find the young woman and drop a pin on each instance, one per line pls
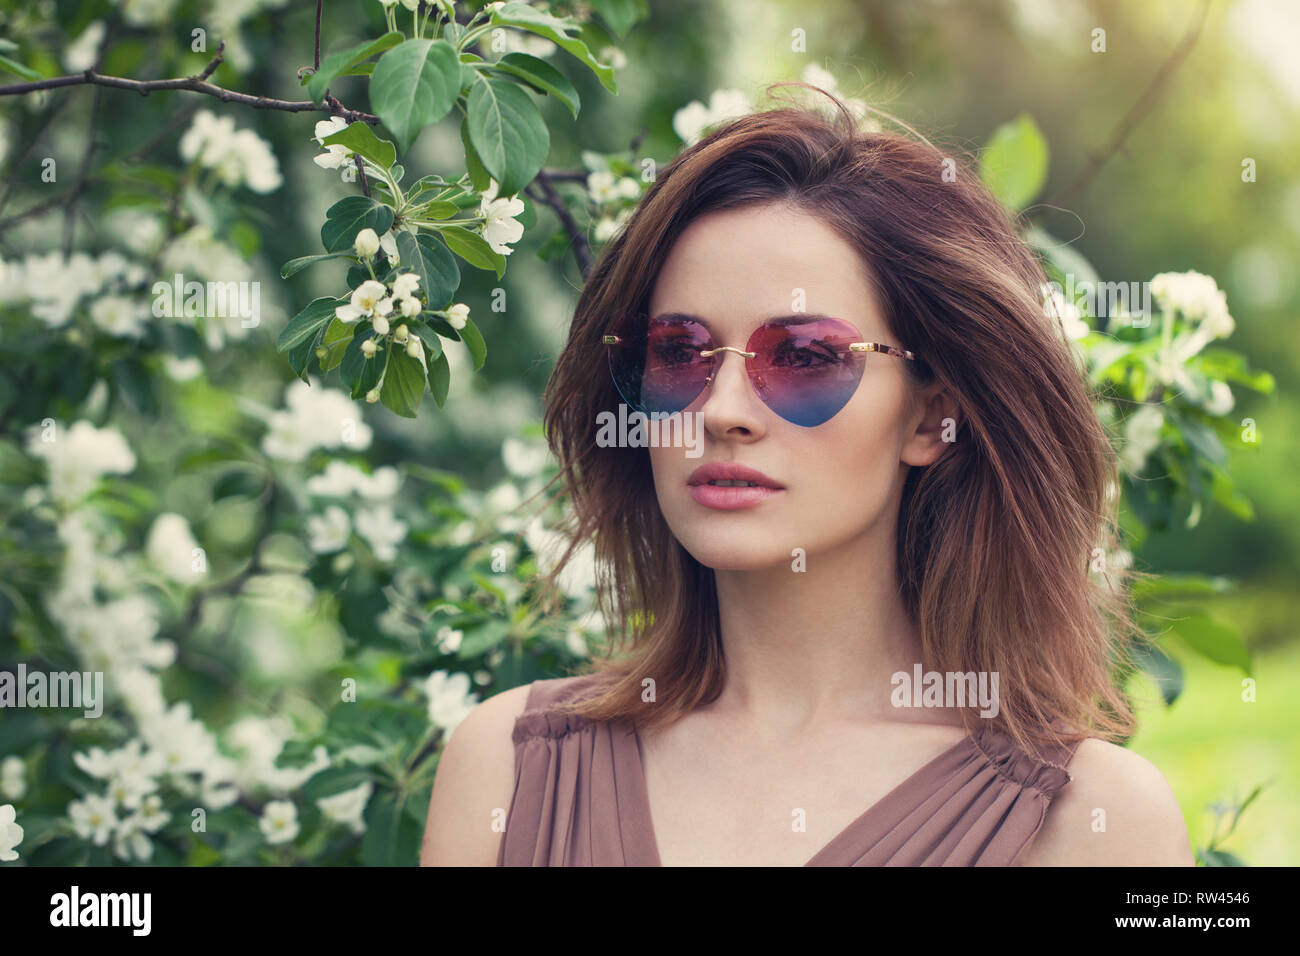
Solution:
(863, 628)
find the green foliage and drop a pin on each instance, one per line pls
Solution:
(413, 86)
(1014, 163)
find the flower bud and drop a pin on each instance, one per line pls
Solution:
(457, 315)
(367, 243)
(381, 324)
(368, 348)
(400, 335)
(414, 348)
(372, 396)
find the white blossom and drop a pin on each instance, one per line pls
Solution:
(500, 229)
(367, 243)
(365, 301)
(405, 285)
(692, 120)
(381, 530)
(279, 821)
(450, 699)
(336, 155)
(1142, 437)
(448, 639)
(78, 457)
(329, 532)
(240, 157)
(11, 834)
(524, 459)
(1221, 399)
(13, 778)
(458, 315)
(81, 53)
(171, 548)
(1198, 297)
(315, 417)
(348, 806)
(93, 818)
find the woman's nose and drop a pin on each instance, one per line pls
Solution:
(730, 406)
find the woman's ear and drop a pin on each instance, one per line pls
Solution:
(932, 426)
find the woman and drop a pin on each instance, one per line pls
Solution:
(863, 625)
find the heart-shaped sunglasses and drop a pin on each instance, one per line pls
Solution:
(804, 367)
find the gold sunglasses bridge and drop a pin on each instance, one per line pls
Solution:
(726, 348)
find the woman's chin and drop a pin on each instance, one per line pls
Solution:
(734, 555)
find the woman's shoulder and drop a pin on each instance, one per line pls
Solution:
(541, 711)
(1118, 810)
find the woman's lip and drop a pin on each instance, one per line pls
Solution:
(730, 471)
(731, 497)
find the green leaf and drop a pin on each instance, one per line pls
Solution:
(349, 216)
(473, 338)
(338, 334)
(508, 133)
(403, 383)
(441, 326)
(300, 355)
(440, 209)
(294, 266)
(360, 138)
(306, 323)
(1173, 585)
(474, 249)
(542, 77)
(1221, 858)
(1217, 642)
(439, 378)
(413, 86)
(338, 63)
(1227, 365)
(519, 14)
(432, 344)
(359, 373)
(478, 174)
(1066, 259)
(621, 15)
(430, 260)
(1014, 164)
(392, 838)
(1162, 669)
(13, 66)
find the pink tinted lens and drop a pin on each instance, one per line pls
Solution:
(803, 370)
(657, 366)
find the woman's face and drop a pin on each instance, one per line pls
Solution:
(839, 481)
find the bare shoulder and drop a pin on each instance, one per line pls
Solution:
(1117, 810)
(475, 779)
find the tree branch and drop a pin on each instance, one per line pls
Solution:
(195, 84)
(546, 194)
(1135, 115)
(319, 4)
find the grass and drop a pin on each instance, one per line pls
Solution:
(1215, 748)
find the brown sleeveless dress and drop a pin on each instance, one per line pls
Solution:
(580, 798)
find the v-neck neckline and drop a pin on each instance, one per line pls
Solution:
(969, 740)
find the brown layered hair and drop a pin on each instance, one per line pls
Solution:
(995, 538)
